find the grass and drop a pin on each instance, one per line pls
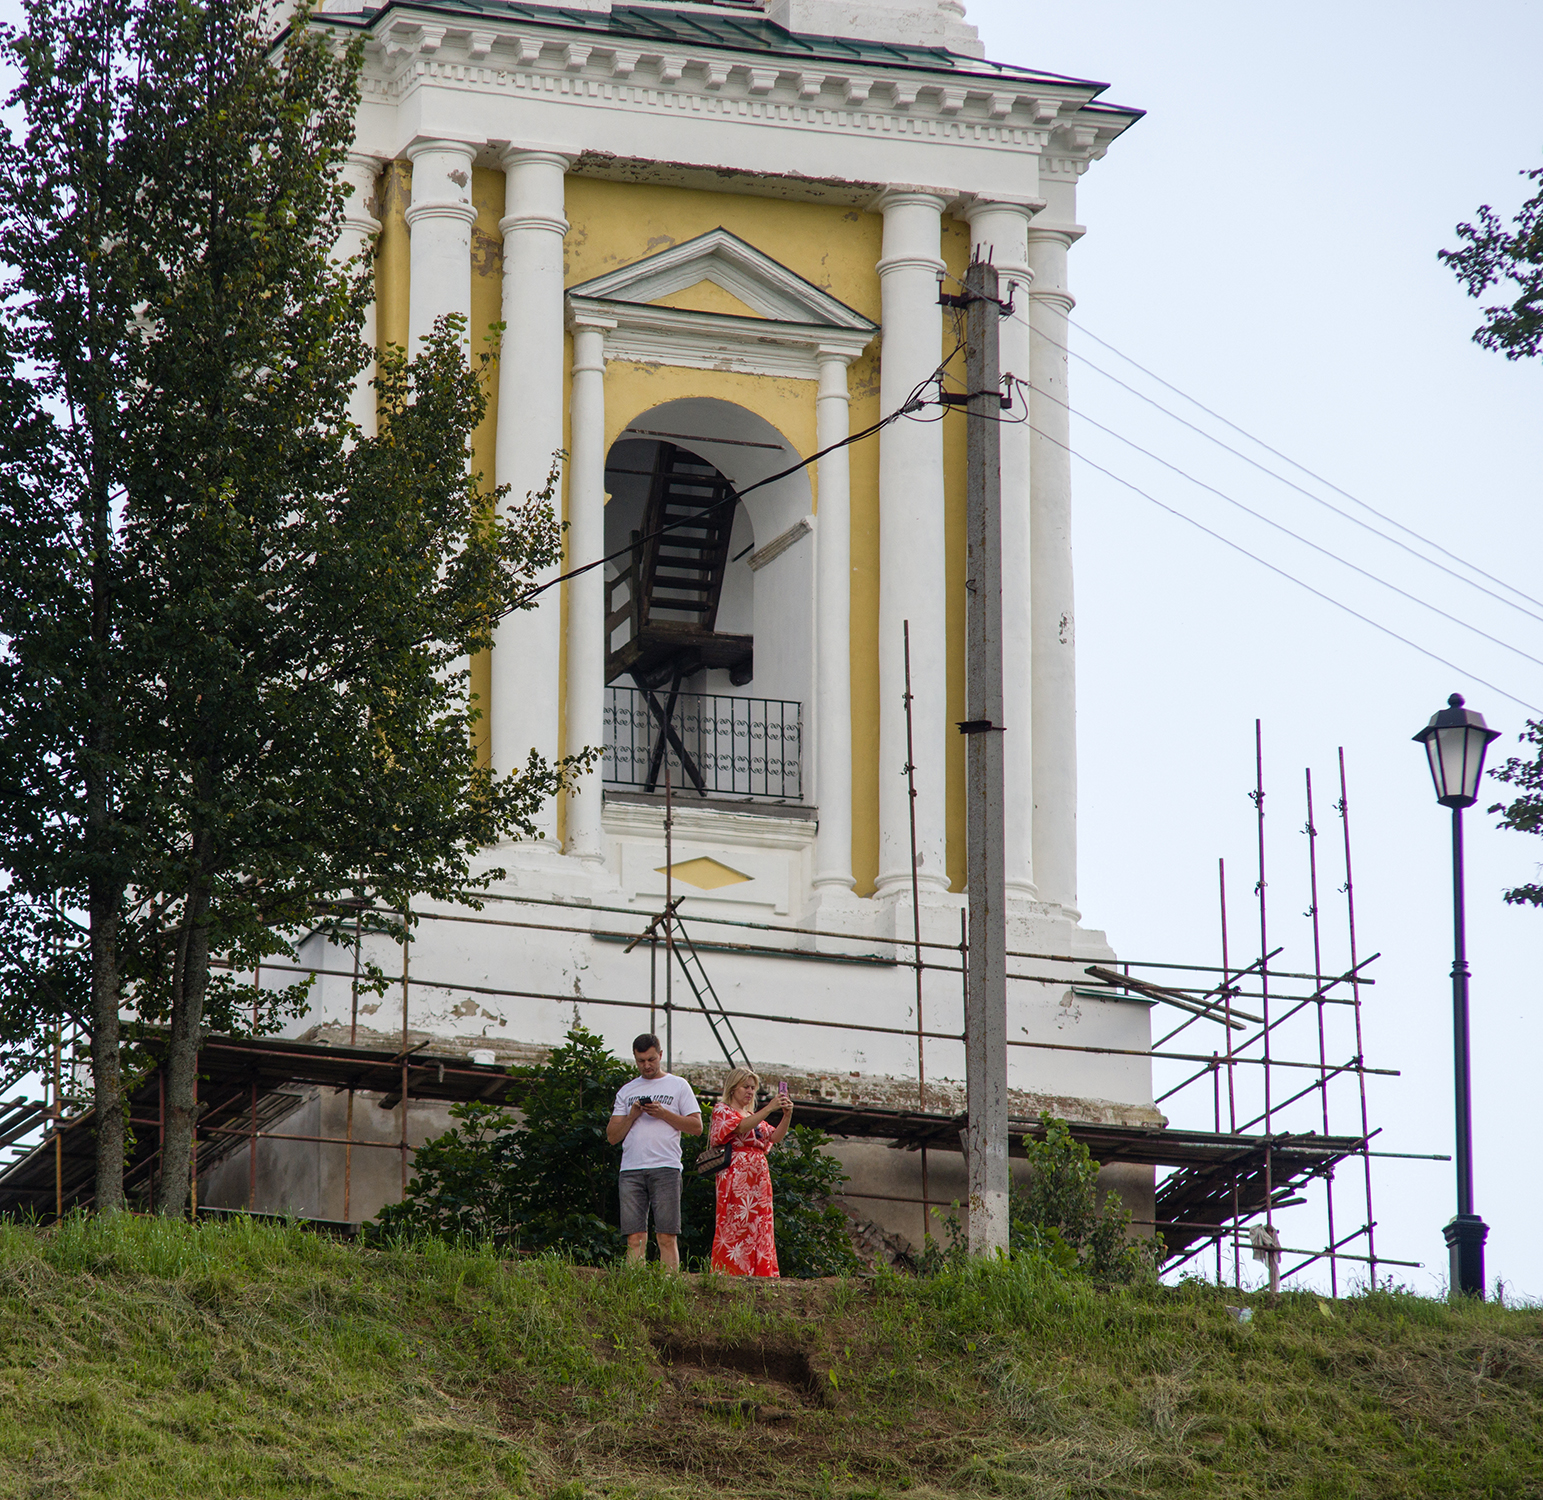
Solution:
(149, 1359)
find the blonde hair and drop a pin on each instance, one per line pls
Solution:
(732, 1080)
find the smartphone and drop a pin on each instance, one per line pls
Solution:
(782, 1087)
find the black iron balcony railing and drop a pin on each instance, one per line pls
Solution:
(718, 745)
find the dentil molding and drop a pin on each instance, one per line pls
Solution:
(587, 67)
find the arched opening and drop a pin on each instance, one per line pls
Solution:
(709, 612)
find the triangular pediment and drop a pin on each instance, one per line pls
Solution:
(708, 297)
(765, 287)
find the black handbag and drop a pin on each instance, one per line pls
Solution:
(713, 1159)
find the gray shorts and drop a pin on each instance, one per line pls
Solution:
(656, 1188)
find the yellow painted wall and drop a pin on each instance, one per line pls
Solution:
(707, 296)
(788, 404)
(393, 192)
(487, 297)
(616, 223)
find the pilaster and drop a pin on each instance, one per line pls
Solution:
(584, 726)
(833, 629)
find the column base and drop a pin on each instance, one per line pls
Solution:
(898, 887)
(1465, 1237)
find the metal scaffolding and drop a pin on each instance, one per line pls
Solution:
(1272, 1087)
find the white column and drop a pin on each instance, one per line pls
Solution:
(439, 221)
(833, 630)
(585, 724)
(1001, 229)
(360, 226)
(1055, 651)
(527, 644)
(911, 543)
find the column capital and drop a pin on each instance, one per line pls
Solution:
(513, 153)
(1048, 245)
(589, 345)
(422, 145)
(1042, 232)
(970, 207)
(833, 354)
(439, 208)
(533, 196)
(359, 172)
(913, 226)
(449, 197)
(901, 196)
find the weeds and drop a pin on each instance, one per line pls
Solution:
(143, 1357)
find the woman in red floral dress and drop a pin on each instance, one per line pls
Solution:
(744, 1244)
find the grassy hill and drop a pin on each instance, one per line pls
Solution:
(149, 1359)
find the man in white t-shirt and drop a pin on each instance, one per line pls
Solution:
(648, 1119)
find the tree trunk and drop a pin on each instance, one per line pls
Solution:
(104, 891)
(106, 1067)
(181, 1064)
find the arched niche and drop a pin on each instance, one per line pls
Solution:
(773, 601)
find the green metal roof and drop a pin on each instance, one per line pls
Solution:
(730, 27)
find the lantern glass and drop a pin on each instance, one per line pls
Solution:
(1455, 742)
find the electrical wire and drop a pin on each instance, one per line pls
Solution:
(912, 404)
(1286, 458)
(1247, 510)
(1290, 577)
(1289, 483)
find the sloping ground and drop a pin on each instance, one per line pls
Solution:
(160, 1360)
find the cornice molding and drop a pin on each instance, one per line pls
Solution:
(584, 66)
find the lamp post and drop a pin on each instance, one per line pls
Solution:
(1455, 741)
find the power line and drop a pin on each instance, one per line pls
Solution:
(912, 404)
(1290, 577)
(1286, 458)
(1287, 531)
(1289, 483)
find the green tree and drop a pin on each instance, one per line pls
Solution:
(545, 1180)
(66, 386)
(1058, 1213)
(231, 688)
(1524, 813)
(1494, 254)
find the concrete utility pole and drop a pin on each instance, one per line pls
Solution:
(986, 996)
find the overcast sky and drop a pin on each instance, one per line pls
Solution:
(1265, 240)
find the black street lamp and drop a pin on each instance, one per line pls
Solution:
(1455, 741)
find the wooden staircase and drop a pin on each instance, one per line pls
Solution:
(674, 581)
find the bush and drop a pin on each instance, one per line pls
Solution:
(1058, 1216)
(547, 1180)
